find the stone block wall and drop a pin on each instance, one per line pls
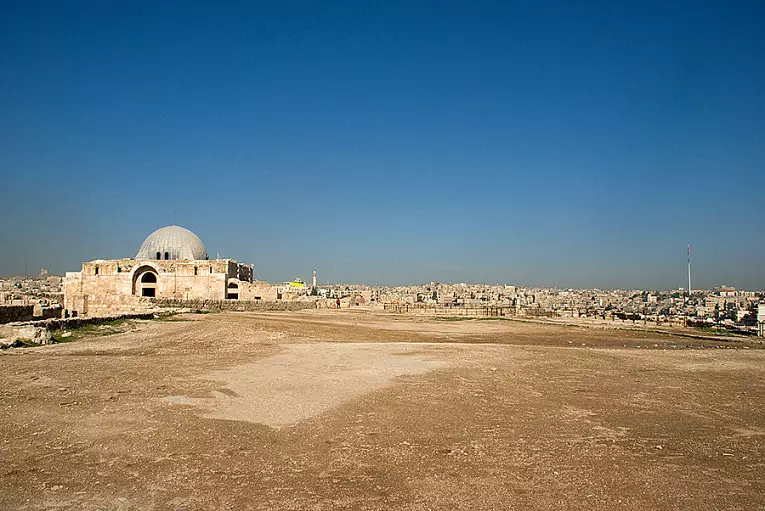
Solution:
(11, 313)
(108, 287)
(258, 291)
(233, 305)
(48, 312)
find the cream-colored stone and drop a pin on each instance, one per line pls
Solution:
(113, 286)
(106, 287)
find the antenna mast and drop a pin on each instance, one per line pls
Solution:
(690, 291)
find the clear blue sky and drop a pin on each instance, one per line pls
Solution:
(540, 143)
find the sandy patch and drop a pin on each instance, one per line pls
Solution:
(308, 379)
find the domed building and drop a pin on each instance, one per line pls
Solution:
(171, 243)
(171, 267)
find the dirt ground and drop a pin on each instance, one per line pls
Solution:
(323, 410)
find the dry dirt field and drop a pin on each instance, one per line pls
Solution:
(323, 410)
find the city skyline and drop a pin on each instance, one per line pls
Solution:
(556, 146)
(327, 282)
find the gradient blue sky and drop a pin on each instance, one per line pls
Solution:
(543, 143)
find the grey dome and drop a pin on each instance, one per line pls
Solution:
(172, 242)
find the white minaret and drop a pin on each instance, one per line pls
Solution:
(314, 280)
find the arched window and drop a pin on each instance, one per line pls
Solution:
(167, 256)
(96, 271)
(146, 283)
(159, 256)
(195, 270)
(149, 277)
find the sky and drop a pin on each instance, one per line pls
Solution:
(561, 144)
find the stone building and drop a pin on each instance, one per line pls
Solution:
(172, 263)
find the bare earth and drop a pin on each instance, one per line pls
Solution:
(346, 410)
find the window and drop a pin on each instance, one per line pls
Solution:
(195, 270)
(167, 256)
(159, 256)
(149, 277)
(146, 282)
(95, 272)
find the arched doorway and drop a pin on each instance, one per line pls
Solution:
(146, 282)
(232, 292)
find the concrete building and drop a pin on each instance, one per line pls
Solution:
(171, 263)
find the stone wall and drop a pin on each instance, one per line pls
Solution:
(11, 313)
(69, 323)
(234, 305)
(258, 291)
(109, 287)
(38, 332)
(48, 312)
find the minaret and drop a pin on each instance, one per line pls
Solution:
(313, 285)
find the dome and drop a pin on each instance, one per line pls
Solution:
(172, 242)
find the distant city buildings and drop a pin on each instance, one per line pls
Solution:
(722, 307)
(172, 266)
(27, 298)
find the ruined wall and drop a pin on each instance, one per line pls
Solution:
(47, 312)
(39, 331)
(258, 291)
(59, 324)
(114, 286)
(244, 273)
(106, 287)
(234, 305)
(10, 313)
(189, 287)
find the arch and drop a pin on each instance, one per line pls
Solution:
(159, 256)
(146, 281)
(167, 256)
(232, 289)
